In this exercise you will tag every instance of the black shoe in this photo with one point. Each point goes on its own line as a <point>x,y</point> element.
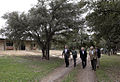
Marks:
<point>97,66</point>
<point>67,66</point>
<point>83,67</point>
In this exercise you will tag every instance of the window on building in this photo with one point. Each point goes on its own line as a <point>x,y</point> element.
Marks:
<point>9,43</point>
<point>33,45</point>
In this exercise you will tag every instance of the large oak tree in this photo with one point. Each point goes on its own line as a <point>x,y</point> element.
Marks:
<point>45,20</point>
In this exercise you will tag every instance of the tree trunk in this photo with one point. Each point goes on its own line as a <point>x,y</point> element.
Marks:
<point>115,51</point>
<point>47,54</point>
<point>45,49</point>
<point>109,52</point>
<point>43,54</point>
<point>48,51</point>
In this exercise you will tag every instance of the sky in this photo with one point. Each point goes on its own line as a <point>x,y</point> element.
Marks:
<point>14,5</point>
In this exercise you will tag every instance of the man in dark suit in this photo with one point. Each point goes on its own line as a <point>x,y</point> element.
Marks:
<point>74,53</point>
<point>83,56</point>
<point>66,54</point>
<point>99,56</point>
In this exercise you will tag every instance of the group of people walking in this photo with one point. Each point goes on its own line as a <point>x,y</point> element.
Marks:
<point>94,54</point>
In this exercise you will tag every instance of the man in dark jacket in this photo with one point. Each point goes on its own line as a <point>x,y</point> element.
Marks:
<point>83,56</point>
<point>74,53</point>
<point>98,55</point>
<point>66,54</point>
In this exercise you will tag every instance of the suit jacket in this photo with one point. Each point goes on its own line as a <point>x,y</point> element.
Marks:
<point>66,54</point>
<point>94,55</point>
<point>98,53</point>
<point>74,53</point>
<point>83,56</point>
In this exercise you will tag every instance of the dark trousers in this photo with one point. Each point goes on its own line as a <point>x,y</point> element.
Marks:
<point>93,63</point>
<point>74,58</point>
<point>67,61</point>
<point>84,63</point>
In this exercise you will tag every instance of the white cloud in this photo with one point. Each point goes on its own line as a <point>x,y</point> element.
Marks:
<point>14,5</point>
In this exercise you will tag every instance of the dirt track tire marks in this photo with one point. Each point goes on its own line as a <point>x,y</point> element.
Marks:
<point>87,74</point>
<point>58,74</point>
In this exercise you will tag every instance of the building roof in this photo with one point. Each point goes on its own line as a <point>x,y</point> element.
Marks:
<point>4,38</point>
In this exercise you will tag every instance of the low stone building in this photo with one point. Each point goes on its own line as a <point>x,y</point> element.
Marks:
<point>6,44</point>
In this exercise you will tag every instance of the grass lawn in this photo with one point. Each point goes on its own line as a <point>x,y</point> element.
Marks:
<point>109,70</point>
<point>72,76</point>
<point>26,68</point>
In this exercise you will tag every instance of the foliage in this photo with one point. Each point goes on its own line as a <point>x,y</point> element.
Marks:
<point>104,21</point>
<point>47,19</point>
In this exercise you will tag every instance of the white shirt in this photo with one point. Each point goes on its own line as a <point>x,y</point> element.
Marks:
<point>92,52</point>
<point>65,50</point>
<point>83,52</point>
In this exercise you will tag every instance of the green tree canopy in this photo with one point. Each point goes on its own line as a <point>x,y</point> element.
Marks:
<point>47,19</point>
<point>105,22</point>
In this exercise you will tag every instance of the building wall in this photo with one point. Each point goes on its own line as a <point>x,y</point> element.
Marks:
<point>26,43</point>
<point>2,43</point>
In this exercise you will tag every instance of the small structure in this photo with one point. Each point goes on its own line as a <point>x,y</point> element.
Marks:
<point>6,44</point>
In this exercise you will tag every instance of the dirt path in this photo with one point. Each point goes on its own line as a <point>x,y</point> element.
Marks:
<point>87,74</point>
<point>84,75</point>
<point>58,73</point>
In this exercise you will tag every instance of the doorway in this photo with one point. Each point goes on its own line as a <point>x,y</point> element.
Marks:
<point>22,46</point>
